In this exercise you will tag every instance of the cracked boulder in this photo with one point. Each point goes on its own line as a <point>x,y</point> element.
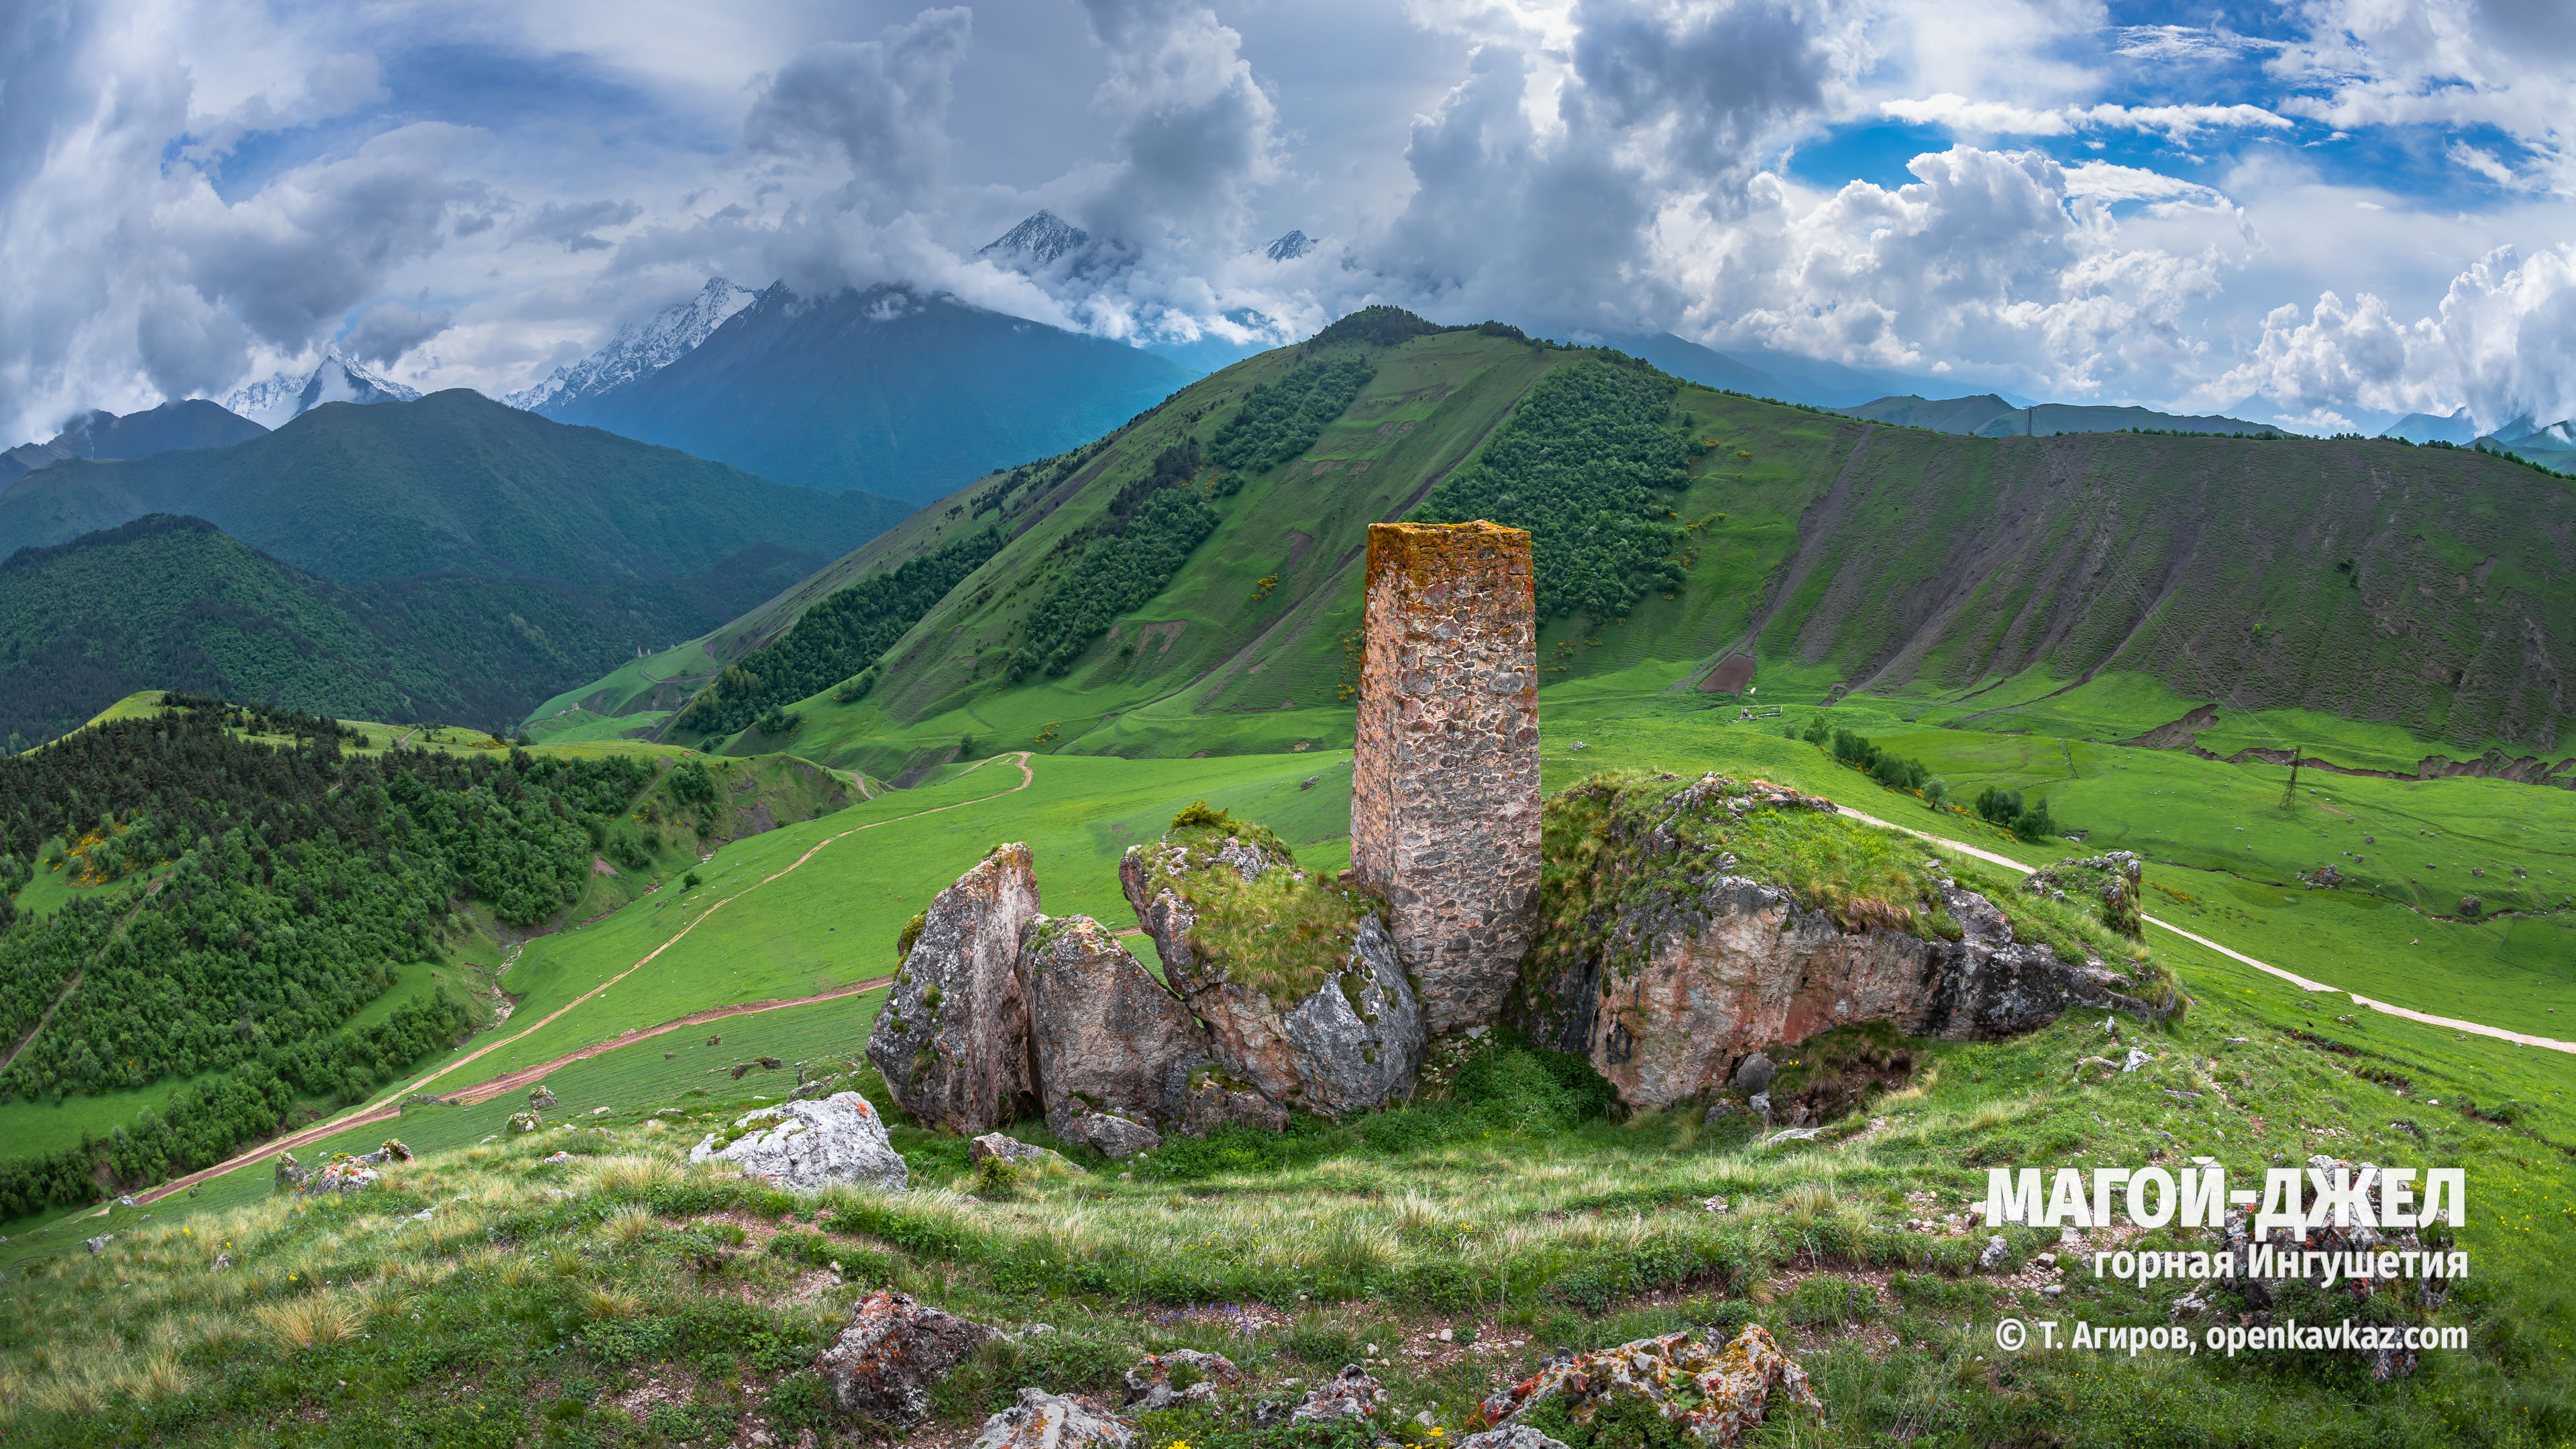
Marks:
<point>1672,957</point>
<point>1108,1038</point>
<point>895,1350</point>
<point>1305,1001</point>
<point>807,1146</point>
<point>953,1038</point>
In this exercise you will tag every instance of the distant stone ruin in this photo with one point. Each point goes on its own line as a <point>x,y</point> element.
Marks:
<point>1445,799</point>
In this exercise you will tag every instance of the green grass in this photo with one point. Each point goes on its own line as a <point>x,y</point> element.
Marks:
<point>542,1292</point>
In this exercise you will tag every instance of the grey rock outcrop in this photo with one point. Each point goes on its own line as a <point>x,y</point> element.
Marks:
<point>1216,1100</point>
<point>895,1350</point>
<point>1108,1037</point>
<point>1041,1420</point>
<point>1689,969</point>
<point>953,1038</point>
<point>1009,1149</point>
<point>1511,1436</point>
<point>1348,1044</point>
<point>805,1146</point>
<point>1118,1138</point>
<point>1350,1394</point>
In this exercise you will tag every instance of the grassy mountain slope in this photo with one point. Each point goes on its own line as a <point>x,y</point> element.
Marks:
<point>882,390</point>
<point>2417,594</point>
<point>173,602</point>
<point>453,483</point>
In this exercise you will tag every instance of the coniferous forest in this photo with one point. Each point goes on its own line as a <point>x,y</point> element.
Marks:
<point>272,892</point>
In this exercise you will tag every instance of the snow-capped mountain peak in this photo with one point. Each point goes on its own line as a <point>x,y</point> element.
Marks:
<point>1290,247</point>
<point>1035,242</point>
<point>639,348</point>
<point>275,400</point>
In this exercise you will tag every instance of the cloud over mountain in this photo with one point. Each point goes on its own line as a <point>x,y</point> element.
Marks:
<point>2351,209</point>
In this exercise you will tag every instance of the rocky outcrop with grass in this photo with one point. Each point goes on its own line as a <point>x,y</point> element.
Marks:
<point>807,1146</point>
<point>895,1350</point>
<point>2106,884</point>
<point>1041,1420</point>
<point>1686,926</point>
<point>953,1038</point>
<point>1292,970</point>
<point>1714,1396</point>
<point>1109,1040</point>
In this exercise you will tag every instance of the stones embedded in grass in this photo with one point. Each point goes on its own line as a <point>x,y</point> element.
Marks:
<point>1041,1420</point>
<point>895,1350</point>
<point>1714,1396</point>
<point>1161,1380</point>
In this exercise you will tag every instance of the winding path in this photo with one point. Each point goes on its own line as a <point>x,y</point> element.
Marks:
<point>389,1106</point>
<point>2303,983</point>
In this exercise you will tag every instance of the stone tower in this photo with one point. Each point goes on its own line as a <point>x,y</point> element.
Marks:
<point>1445,796</point>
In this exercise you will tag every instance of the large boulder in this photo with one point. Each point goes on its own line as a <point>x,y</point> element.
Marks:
<point>1669,963</point>
<point>1041,1420</point>
<point>1304,998</point>
<point>1108,1037</point>
<point>953,1038</point>
<point>894,1352</point>
<point>809,1145</point>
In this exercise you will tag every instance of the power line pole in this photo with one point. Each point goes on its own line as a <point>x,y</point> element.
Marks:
<point>2293,788</point>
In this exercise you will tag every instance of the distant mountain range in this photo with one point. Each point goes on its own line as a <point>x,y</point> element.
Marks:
<point>1989,416</point>
<point>888,390</point>
<point>2458,428</point>
<point>274,400</point>
<point>453,483</point>
<point>168,602</point>
<point>639,349</point>
<point>192,424</point>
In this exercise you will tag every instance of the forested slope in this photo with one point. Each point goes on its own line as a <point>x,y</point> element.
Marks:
<point>271,893</point>
<point>453,483</point>
<point>170,602</point>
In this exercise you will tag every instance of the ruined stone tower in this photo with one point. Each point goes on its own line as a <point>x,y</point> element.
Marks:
<point>1445,796</point>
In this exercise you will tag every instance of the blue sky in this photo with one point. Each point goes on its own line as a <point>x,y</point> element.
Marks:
<point>2328,212</point>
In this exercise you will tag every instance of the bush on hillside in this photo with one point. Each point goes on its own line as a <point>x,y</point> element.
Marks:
<point>1116,573</point>
<point>1281,419</point>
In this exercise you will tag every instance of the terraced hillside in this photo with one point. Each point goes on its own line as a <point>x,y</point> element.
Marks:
<point>2420,590</point>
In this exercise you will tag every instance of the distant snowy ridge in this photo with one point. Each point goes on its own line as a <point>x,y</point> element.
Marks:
<point>1036,242</point>
<point>640,348</point>
<point>277,400</point>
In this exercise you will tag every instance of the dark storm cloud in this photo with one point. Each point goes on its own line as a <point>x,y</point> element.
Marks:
<point>877,106</point>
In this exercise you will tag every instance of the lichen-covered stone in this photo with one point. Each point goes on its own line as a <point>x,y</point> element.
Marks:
<point>1671,969</point>
<point>895,1350</point>
<point>1445,786</point>
<point>953,1038</point>
<point>1160,1380</point>
<point>807,1146</point>
<point>1714,1396</point>
<point>1105,1032</point>
<point>1350,1394</point>
<point>1041,1420</point>
<point>1314,1011</point>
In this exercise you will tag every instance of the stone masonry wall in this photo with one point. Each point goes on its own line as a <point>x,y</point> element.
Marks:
<point>1445,801</point>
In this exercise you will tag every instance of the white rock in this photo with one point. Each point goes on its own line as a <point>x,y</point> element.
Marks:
<point>809,1145</point>
<point>1041,1420</point>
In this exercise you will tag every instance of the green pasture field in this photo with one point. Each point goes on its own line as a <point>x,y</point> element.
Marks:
<point>834,920</point>
<point>2377,935</point>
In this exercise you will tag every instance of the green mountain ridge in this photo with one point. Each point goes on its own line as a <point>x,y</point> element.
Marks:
<point>453,483</point>
<point>1989,416</point>
<point>2419,588</point>
<point>173,602</point>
